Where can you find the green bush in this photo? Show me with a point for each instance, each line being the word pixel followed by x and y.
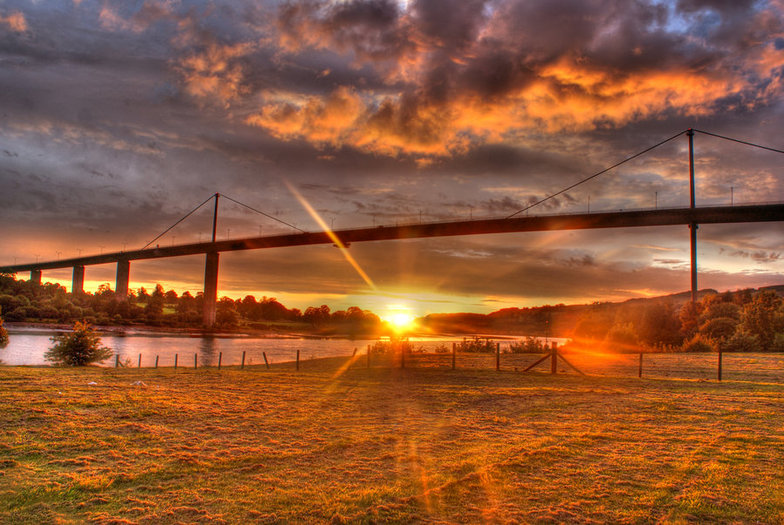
pixel 476 345
pixel 699 343
pixel 740 341
pixel 78 348
pixel 442 349
pixel 529 345
pixel 778 343
pixel 719 327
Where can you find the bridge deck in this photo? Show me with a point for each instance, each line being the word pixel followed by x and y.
pixel 582 221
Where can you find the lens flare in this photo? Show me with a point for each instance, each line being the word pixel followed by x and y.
pixel 342 247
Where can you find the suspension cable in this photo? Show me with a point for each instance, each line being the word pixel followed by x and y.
pixel 179 221
pixel 738 141
pixel 643 152
pixel 262 213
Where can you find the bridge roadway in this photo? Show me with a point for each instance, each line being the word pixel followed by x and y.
pixel 580 221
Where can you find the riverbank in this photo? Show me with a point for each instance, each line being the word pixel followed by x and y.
pixel 330 443
pixel 167 331
pixel 150 330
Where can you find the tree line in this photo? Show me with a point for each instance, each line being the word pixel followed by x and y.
pixel 745 320
pixel 28 301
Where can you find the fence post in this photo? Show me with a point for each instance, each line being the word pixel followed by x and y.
pixel 156 361
pixel 639 369
pixel 402 357
pixel 140 361
pixel 719 364
pixel 554 358
pixel 297 359
pixel 175 361
pixel 195 360
pixel 265 359
pixel 498 356
pixel 454 345
pixel 355 352
pixel 220 358
pixel 116 360
pixel 243 360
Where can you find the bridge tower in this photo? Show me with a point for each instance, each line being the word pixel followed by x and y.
pixel 211 275
pixel 123 277
pixel 77 282
pixel 693 226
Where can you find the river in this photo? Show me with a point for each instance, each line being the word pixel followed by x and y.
pixel 28 345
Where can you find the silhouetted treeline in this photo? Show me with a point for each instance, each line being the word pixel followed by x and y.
pixel 26 301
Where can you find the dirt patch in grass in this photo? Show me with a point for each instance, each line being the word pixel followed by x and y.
pixel 338 444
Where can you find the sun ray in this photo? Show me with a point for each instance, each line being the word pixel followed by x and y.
pixel 342 247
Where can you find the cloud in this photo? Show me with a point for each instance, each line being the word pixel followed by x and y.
pixel 119 117
pixel 137 20
pixel 214 72
pixel 759 256
pixel 331 120
pixel 493 71
pixel 15 21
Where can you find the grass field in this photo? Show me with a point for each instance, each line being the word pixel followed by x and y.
pixel 328 444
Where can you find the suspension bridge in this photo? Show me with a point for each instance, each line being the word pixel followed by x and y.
pixel 692 217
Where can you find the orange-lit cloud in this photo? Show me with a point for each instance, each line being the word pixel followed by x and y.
pixel 451 88
pixel 14 21
pixel 564 97
pixel 214 73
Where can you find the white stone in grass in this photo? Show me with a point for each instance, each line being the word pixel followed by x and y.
pixel 92 383
pixel 139 383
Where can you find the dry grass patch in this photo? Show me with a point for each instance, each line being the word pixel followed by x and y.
pixel 414 445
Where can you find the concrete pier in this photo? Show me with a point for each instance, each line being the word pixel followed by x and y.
pixel 210 288
pixel 35 276
pixel 77 282
pixel 123 277
pixel 693 256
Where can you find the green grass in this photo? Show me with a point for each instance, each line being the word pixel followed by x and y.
pixel 384 445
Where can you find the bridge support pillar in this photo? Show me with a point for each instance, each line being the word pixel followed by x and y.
pixel 123 277
pixel 77 283
pixel 210 288
pixel 35 276
pixel 693 246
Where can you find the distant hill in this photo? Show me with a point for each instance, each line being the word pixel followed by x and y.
pixel 562 320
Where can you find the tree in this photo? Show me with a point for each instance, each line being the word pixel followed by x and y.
pixel 170 297
pixel 154 309
pixel 624 336
pixel 763 318
pixel 719 328
pixel 3 333
pixel 659 325
pixel 78 348
pixel 689 317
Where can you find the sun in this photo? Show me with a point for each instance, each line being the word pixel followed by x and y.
pixel 400 321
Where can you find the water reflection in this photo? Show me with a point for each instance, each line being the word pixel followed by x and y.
pixel 28 347
pixel 207 351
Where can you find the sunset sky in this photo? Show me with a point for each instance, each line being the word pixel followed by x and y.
pixel 119 117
